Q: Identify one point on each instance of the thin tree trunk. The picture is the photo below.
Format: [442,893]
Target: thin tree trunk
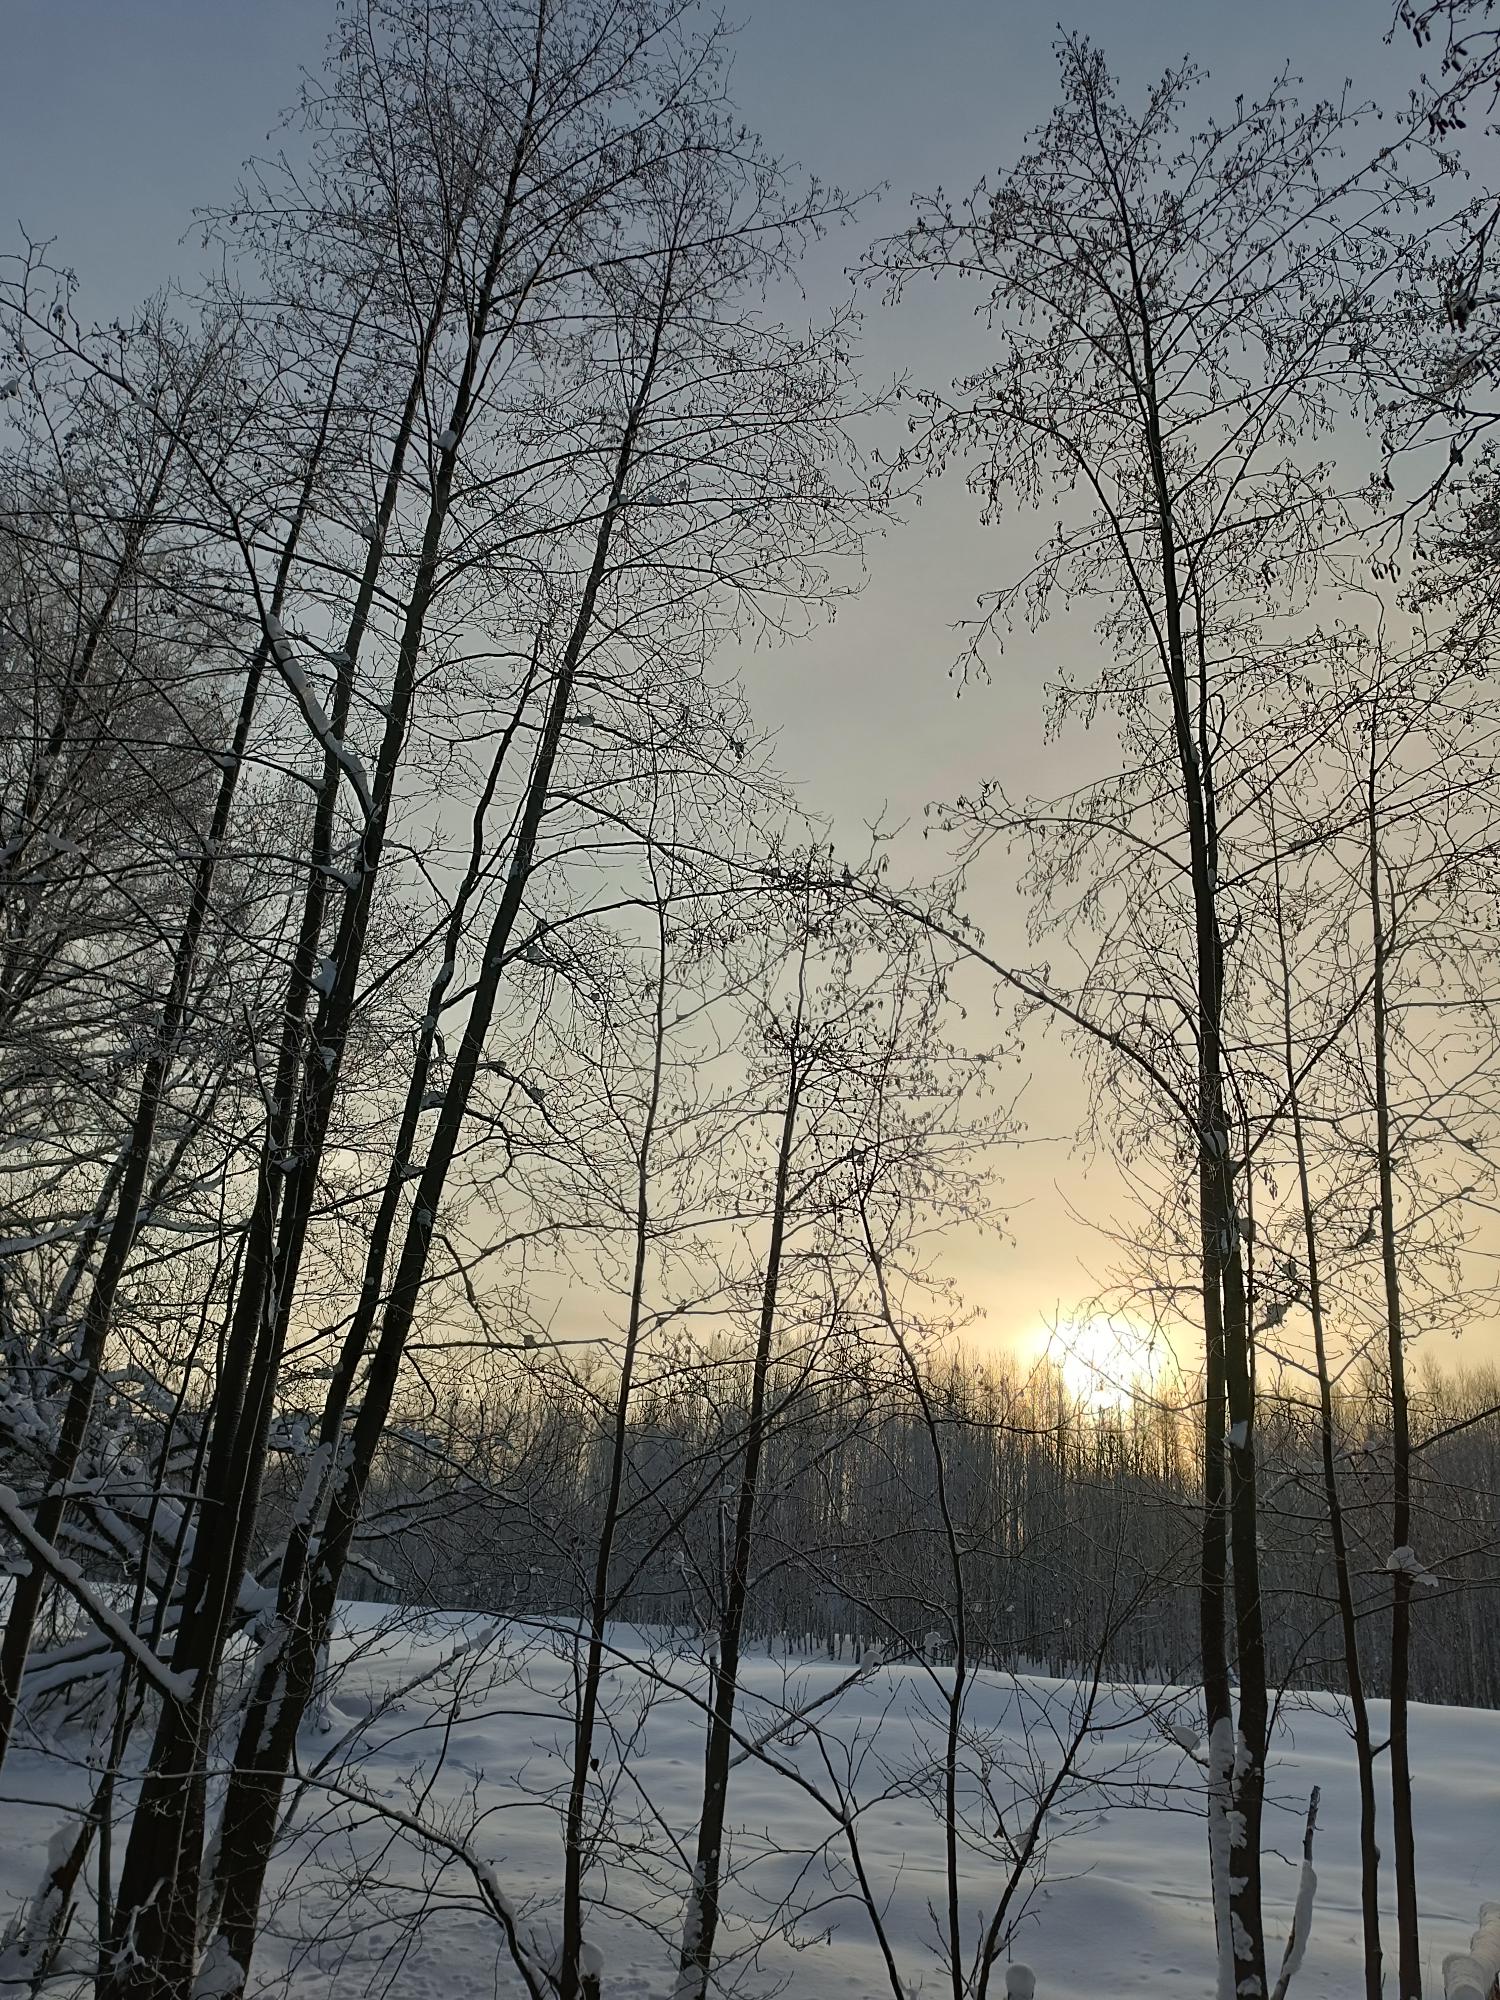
[1408,1945]
[309,1628]
[99,1311]
[954,1701]
[165,1844]
[1364,1753]
[701,1923]
[238,1811]
[1229,1485]
[571,1971]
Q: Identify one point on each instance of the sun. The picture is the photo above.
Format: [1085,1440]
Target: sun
[1105,1361]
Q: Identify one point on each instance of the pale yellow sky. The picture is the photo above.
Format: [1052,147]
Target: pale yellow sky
[163,98]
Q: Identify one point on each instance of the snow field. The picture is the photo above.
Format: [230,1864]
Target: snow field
[433,1775]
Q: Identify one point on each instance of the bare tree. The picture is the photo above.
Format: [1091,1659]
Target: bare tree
[1174,317]
[556,417]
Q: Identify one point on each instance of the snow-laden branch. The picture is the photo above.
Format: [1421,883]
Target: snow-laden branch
[316,716]
[1471,1974]
[161,1676]
[1302,1912]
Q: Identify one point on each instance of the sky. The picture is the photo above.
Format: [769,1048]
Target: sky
[118,116]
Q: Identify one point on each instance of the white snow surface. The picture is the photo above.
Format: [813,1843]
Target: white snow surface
[465,1723]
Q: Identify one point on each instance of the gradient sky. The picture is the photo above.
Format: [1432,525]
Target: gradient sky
[118,116]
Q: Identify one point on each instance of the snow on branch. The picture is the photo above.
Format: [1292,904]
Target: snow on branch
[177,1686]
[1472,1974]
[1405,1560]
[318,720]
[1302,1912]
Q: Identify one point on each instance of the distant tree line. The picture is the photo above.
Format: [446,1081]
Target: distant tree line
[1077,1521]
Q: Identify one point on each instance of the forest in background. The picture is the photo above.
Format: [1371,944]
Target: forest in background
[1077,1524]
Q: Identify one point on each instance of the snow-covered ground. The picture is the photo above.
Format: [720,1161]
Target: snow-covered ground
[463,1729]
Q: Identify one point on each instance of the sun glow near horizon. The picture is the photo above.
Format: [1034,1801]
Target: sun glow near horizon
[1106,1361]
